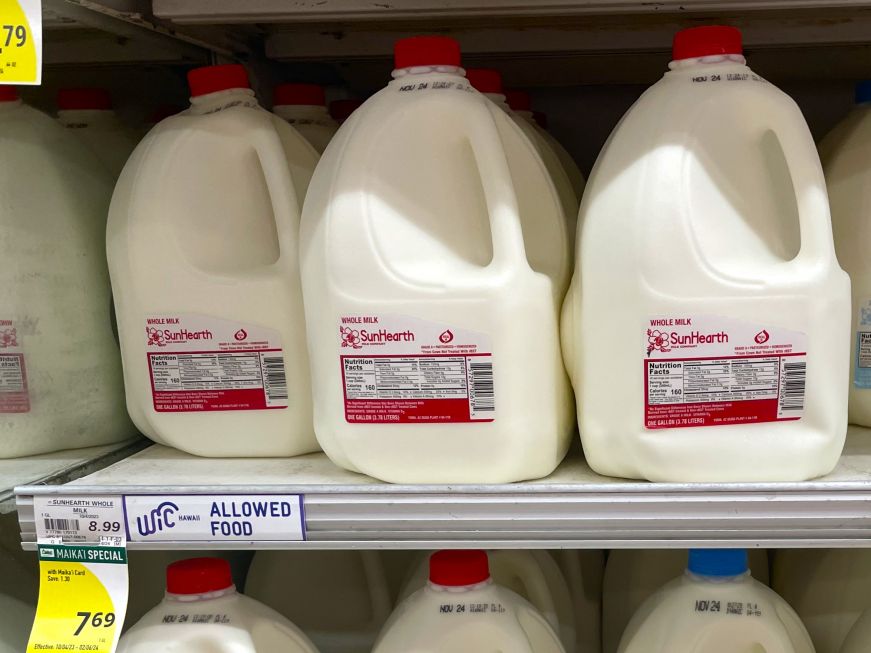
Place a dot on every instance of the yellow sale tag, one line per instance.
(82, 598)
(20, 41)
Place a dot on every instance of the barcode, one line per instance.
(61, 524)
(792, 386)
(276, 379)
(481, 398)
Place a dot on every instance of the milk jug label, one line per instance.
(862, 370)
(202, 363)
(702, 370)
(14, 395)
(400, 370)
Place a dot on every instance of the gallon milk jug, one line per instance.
(346, 600)
(88, 113)
(341, 110)
(461, 610)
(521, 104)
(859, 638)
(847, 165)
(202, 244)
(55, 327)
(829, 589)
(19, 588)
(706, 331)
(434, 259)
(583, 571)
(633, 575)
(489, 82)
(203, 613)
(304, 107)
(715, 607)
(534, 575)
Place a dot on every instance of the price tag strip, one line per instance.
(82, 597)
(20, 42)
(172, 518)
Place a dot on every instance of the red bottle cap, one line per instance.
(518, 100)
(458, 568)
(705, 41)
(307, 94)
(211, 79)
(426, 51)
(198, 576)
(8, 93)
(485, 80)
(84, 99)
(341, 110)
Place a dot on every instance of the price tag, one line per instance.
(79, 519)
(82, 598)
(20, 42)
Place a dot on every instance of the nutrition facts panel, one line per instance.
(713, 380)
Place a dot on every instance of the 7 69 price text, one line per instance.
(95, 619)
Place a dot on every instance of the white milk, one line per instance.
(633, 575)
(489, 82)
(583, 571)
(829, 589)
(533, 575)
(461, 610)
(61, 386)
(217, 619)
(859, 638)
(87, 112)
(521, 104)
(706, 289)
(206, 276)
(433, 246)
(848, 176)
(715, 607)
(346, 602)
(304, 107)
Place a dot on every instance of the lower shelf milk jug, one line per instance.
(715, 607)
(461, 610)
(19, 589)
(203, 613)
(582, 570)
(848, 177)
(304, 107)
(346, 602)
(434, 260)
(633, 575)
(203, 252)
(829, 589)
(87, 112)
(55, 326)
(707, 328)
(533, 575)
(521, 104)
(859, 638)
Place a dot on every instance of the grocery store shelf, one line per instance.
(58, 467)
(574, 507)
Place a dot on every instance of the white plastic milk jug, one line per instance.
(87, 112)
(583, 570)
(859, 638)
(521, 104)
(715, 607)
(848, 176)
(203, 243)
(434, 260)
(533, 575)
(60, 377)
(304, 107)
(829, 589)
(203, 613)
(461, 610)
(489, 82)
(19, 588)
(354, 579)
(633, 575)
(707, 328)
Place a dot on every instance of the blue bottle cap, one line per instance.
(863, 92)
(717, 562)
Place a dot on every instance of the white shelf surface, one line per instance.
(574, 507)
(57, 467)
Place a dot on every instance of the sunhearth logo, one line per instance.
(664, 341)
(356, 338)
(162, 337)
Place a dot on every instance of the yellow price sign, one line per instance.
(20, 41)
(82, 598)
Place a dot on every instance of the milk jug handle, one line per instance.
(809, 184)
(286, 207)
(539, 592)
